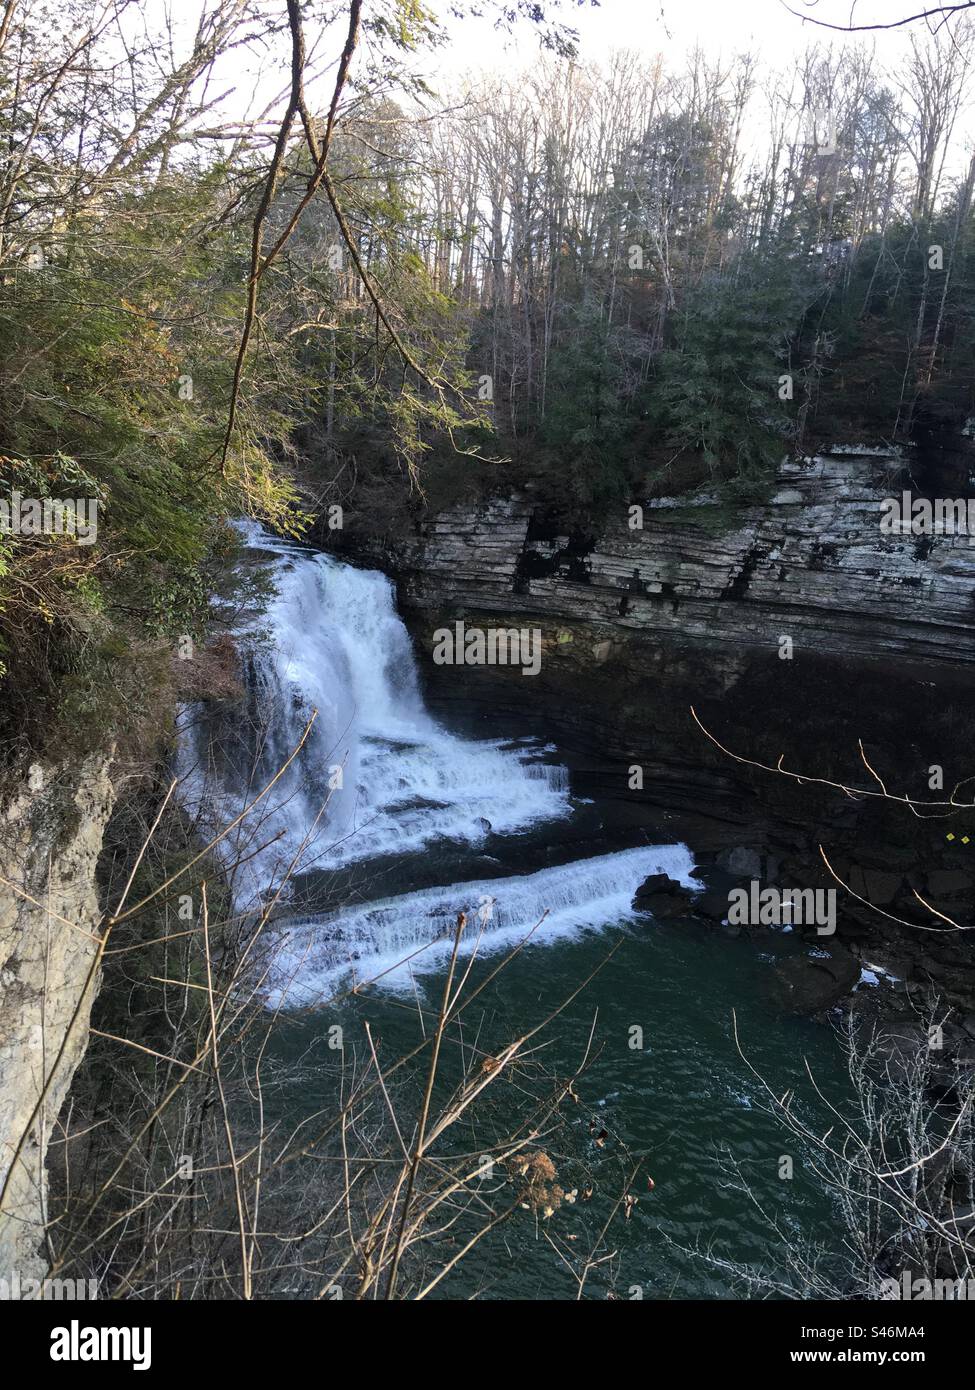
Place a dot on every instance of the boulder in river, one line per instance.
(662, 897)
(712, 905)
(808, 984)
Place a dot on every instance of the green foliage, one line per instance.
(716, 391)
(589, 412)
(901, 333)
(415, 388)
(116, 362)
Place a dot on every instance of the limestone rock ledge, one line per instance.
(51, 832)
(692, 608)
(811, 562)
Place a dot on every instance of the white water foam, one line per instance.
(412, 934)
(338, 646)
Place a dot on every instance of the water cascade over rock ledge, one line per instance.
(378, 787)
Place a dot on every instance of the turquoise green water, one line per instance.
(683, 1108)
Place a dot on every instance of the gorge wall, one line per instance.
(637, 625)
(51, 834)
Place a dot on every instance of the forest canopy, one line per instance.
(346, 286)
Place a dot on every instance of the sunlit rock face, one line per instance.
(812, 562)
(51, 834)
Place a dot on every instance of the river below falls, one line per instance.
(421, 823)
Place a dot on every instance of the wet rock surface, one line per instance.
(812, 983)
(663, 898)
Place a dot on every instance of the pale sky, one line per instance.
(652, 26)
(765, 28)
(670, 27)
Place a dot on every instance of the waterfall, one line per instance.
(377, 777)
(331, 640)
(400, 937)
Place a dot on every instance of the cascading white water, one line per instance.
(336, 645)
(397, 938)
(377, 777)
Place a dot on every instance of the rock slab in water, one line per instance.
(662, 897)
(712, 905)
(809, 984)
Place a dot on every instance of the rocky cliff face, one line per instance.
(50, 837)
(795, 628)
(686, 604)
(812, 564)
